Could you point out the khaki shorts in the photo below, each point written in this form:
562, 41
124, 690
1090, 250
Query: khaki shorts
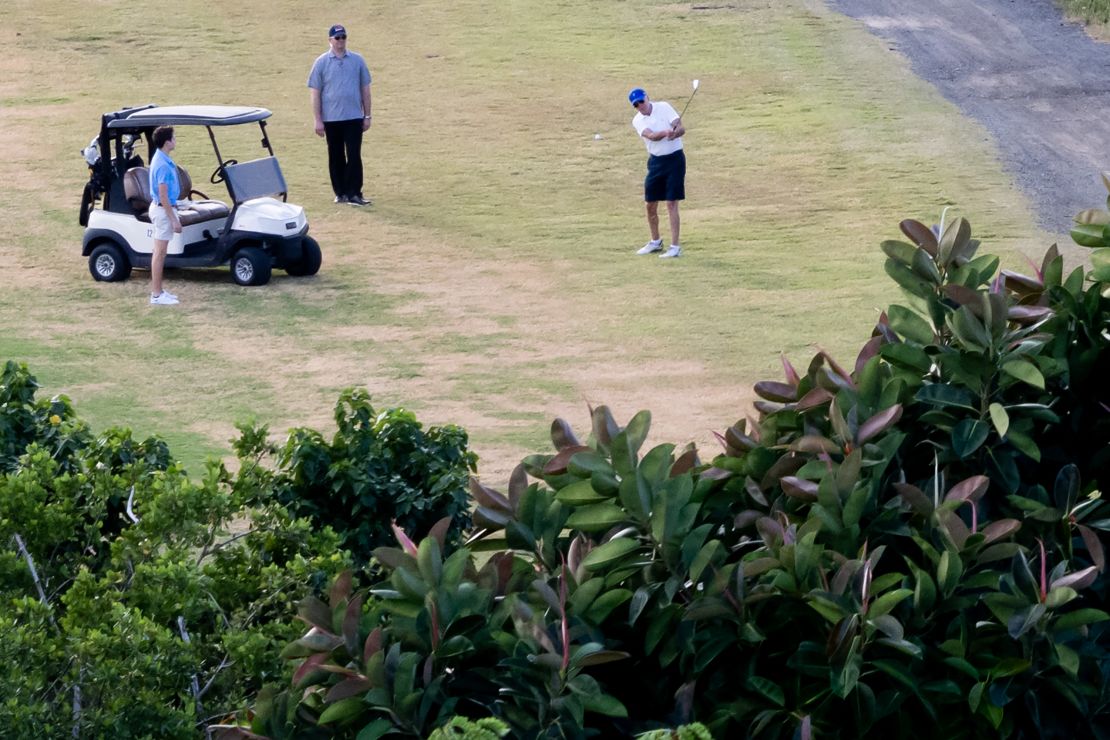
163, 227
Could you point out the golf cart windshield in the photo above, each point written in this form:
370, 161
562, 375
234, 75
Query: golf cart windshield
256, 179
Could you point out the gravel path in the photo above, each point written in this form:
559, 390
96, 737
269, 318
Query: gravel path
1039, 84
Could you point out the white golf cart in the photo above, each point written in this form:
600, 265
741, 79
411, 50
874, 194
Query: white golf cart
257, 233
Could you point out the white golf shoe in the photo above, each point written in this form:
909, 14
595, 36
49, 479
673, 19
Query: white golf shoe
652, 246
673, 251
163, 299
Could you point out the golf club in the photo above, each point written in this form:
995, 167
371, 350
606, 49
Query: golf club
697, 83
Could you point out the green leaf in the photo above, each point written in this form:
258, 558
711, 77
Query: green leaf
899, 251
969, 329
597, 517
604, 605
910, 325
1000, 419
376, 729
626, 445
1078, 618
580, 493
908, 279
888, 601
610, 553
342, 710
1088, 235
1009, 667
968, 436
711, 552
767, 689
1024, 371
940, 394
605, 704
906, 355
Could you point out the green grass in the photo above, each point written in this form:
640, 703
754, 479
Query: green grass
1096, 11
493, 282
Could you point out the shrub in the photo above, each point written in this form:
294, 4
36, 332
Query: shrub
380, 467
912, 547
135, 602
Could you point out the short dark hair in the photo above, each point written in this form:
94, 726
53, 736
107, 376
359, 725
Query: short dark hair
162, 134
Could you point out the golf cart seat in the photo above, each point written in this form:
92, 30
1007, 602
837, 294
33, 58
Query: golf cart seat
136, 188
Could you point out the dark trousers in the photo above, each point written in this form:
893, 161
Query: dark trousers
345, 156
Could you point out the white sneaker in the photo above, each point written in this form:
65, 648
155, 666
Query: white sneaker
163, 299
673, 251
167, 293
653, 246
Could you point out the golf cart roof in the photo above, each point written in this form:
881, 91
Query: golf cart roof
187, 115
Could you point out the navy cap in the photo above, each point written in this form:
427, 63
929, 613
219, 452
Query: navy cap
336, 30
636, 95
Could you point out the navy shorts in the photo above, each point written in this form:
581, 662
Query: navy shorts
666, 177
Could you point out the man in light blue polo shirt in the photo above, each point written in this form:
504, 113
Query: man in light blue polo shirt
340, 87
165, 187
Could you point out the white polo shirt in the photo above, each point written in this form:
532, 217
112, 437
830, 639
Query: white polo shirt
660, 120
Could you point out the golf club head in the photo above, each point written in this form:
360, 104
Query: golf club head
696, 84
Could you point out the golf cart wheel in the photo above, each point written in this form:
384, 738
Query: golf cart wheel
309, 263
250, 266
108, 263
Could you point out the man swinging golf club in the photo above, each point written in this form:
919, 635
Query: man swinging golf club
661, 129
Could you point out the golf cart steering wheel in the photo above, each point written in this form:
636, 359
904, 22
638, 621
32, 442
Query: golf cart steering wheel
218, 173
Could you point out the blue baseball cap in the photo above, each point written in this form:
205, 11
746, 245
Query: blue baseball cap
336, 30
636, 95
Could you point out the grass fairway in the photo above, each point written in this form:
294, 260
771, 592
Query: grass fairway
493, 283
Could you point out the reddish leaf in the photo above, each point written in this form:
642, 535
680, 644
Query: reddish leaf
1028, 315
770, 531
439, 532
1052, 253
685, 463
340, 589
814, 443
920, 234
348, 688
518, 484
746, 518
1078, 580
789, 372
915, 497
562, 435
836, 368
372, 645
1094, 547
403, 539
964, 296
737, 440
997, 530
869, 350
1022, 284
774, 391
316, 613
880, 422
955, 528
490, 498
969, 489
767, 407
799, 488
716, 474
350, 624
813, 399
310, 665
558, 464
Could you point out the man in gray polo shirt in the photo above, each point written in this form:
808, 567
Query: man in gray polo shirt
340, 87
